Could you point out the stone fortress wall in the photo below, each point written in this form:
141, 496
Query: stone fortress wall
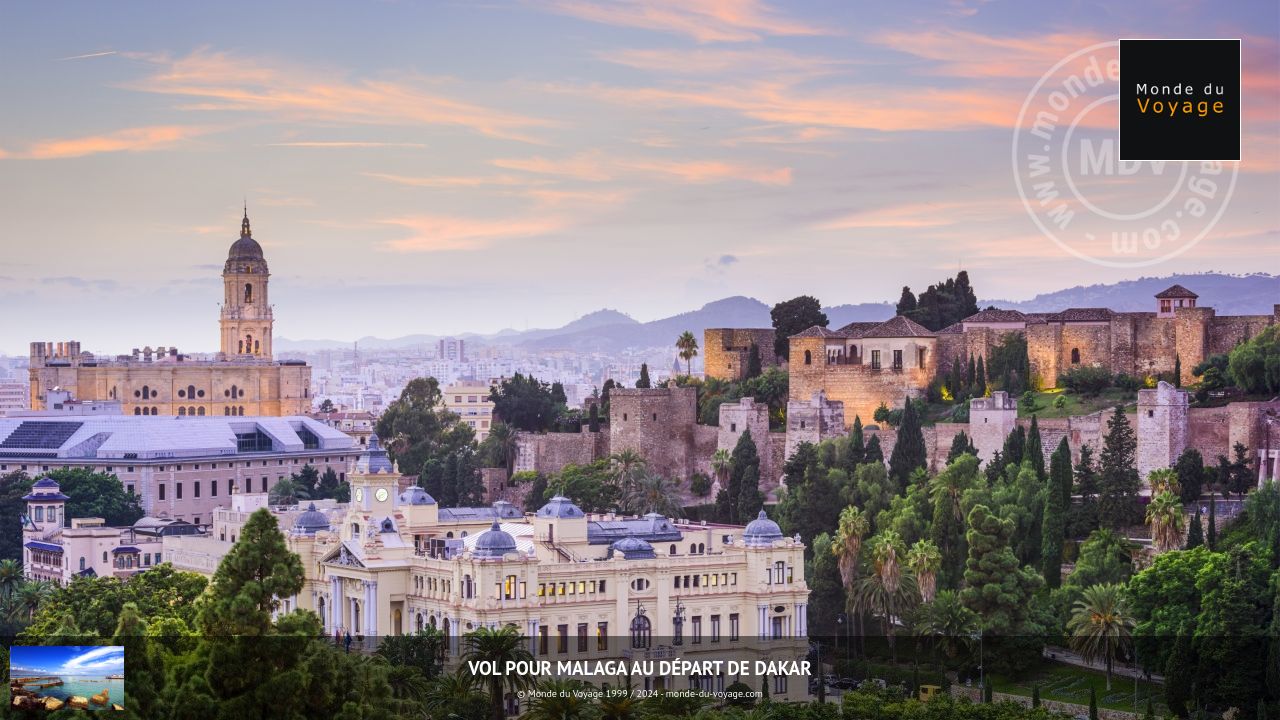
725, 351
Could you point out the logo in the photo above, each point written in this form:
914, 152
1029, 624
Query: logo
1180, 99
1083, 196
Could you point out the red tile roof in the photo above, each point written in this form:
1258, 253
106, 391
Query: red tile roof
899, 327
1176, 291
996, 315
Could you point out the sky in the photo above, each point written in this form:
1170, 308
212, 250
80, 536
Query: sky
94, 661
454, 167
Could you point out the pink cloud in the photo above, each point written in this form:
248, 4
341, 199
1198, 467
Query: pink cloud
440, 233
301, 94
703, 20
138, 139
454, 181
594, 166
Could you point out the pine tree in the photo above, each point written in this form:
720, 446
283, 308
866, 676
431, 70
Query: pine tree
909, 451
754, 365
874, 453
1034, 450
906, 302
1055, 515
1118, 482
993, 565
643, 382
1195, 533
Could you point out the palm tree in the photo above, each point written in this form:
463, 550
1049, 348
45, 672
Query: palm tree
626, 465
29, 597
1100, 625
621, 707
1167, 521
10, 577
1164, 479
688, 346
924, 559
888, 591
499, 646
886, 554
504, 439
721, 463
848, 542
652, 493
948, 621
451, 690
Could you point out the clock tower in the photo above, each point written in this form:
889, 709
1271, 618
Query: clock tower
246, 311
374, 483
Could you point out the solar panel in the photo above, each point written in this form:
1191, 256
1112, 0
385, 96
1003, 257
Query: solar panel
41, 435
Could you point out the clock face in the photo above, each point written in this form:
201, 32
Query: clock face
359, 494
381, 494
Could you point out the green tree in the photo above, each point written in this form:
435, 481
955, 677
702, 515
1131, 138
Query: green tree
942, 303
1100, 626
998, 589
847, 544
1211, 537
525, 403
1055, 515
1254, 365
960, 444
924, 559
1118, 481
593, 423
326, 406
744, 457
909, 452
906, 302
95, 494
1167, 521
793, 316
287, 492
947, 490
416, 427
1009, 366
644, 381
1190, 469
755, 365
1195, 532
687, 344
498, 646
1105, 557
874, 454
1034, 452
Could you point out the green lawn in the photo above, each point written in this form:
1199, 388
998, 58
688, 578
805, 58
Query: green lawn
1076, 404
1070, 683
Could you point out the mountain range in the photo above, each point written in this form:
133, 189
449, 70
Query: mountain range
611, 331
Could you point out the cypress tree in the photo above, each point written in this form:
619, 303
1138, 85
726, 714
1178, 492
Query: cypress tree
643, 382
751, 501
980, 378
744, 456
960, 445
909, 451
1055, 515
994, 469
1034, 450
593, 418
1211, 536
1093, 704
956, 382
857, 447
971, 374
986, 691
1177, 371
1195, 533
1118, 481
874, 453
1015, 447
1035, 696
754, 365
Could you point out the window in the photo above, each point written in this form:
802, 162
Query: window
733, 627
779, 684
733, 427
582, 637
715, 628
697, 629
161, 490
602, 636
542, 640
213, 488
808, 358
897, 359
875, 359
1075, 356
178, 490
641, 632
562, 639
39, 513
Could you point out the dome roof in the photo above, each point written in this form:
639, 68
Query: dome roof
416, 496
494, 543
633, 548
762, 531
246, 248
46, 482
311, 521
560, 507
374, 459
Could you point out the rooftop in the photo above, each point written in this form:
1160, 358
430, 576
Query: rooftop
1175, 291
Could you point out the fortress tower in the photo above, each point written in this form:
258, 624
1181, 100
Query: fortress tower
1162, 428
246, 310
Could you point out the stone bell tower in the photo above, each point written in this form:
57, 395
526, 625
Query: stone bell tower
246, 310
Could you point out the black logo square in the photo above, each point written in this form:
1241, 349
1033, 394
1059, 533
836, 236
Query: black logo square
1179, 99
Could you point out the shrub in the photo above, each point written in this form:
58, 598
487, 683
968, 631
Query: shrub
700, 485
1128, 382
1060, 402
1088, 380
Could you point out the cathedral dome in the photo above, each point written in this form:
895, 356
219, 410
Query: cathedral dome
246, 248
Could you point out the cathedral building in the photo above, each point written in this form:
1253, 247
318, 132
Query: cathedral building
241, 379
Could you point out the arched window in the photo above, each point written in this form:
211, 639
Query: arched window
104, 556
146, 392
673, 550
1075, 356
257, 347
182, 411
191, 391
248, 292
641, 632
82, 563
248, 342
808, 358
191, 411
137, 411
702, 548
200, 411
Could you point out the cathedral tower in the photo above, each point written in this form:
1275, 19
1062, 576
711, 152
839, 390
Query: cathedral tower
246, 311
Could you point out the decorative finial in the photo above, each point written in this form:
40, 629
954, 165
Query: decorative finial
244, 224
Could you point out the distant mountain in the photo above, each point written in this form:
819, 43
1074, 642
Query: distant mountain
1228, 294
610, 330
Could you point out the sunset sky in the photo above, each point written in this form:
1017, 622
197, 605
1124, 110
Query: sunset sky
453, 167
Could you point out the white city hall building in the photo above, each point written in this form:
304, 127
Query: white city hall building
580, 587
